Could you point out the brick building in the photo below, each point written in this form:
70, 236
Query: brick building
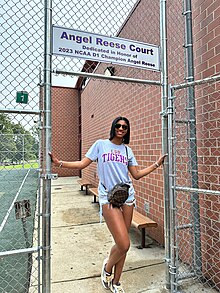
84, 114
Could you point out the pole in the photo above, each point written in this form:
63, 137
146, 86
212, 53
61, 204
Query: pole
164, 103
192, 140
23, 150
172, 194
29, 259
46, 198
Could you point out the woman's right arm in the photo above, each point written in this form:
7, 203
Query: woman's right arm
71, 165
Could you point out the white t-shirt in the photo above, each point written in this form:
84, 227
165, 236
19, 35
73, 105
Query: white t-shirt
112, 164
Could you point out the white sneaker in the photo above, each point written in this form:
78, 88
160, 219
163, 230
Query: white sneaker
105, 277
116, 288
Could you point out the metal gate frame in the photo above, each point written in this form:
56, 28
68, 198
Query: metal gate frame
47, 176
43, 248
170, 188
167, 109
173, 275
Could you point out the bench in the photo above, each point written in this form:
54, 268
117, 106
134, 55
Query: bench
142, 222
84, 183
94, 191
139, 221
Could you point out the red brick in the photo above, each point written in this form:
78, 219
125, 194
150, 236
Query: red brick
65, 127
104, 100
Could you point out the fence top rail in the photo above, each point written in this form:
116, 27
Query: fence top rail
196, 82
113, 78
20, 111
190, 189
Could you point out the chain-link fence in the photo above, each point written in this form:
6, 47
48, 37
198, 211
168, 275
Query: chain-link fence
26, 49
107, 18
193, 144
19, 223
21, 58
18, 149
19, 237
195, 195
19, 209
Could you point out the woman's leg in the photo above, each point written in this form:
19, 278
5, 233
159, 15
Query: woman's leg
127, 214
118, 222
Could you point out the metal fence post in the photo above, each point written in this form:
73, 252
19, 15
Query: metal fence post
46, 201
172, 194
164, 98
192, 139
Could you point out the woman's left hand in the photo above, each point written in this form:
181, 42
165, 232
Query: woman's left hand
161, 159
54, 159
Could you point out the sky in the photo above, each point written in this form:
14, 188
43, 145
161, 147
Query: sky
22, 41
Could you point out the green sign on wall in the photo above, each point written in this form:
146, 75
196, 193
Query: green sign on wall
22, 97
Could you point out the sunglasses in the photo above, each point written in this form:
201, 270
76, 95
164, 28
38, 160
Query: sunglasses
118, 125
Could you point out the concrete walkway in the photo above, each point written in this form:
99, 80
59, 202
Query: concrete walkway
80, 243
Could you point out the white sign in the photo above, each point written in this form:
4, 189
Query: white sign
89, 46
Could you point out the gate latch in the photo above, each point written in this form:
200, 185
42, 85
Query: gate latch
49, 176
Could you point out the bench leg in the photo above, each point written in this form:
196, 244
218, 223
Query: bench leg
81, 188
143, 237
94, 198
87, 189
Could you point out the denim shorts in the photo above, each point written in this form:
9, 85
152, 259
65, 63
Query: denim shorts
104, 200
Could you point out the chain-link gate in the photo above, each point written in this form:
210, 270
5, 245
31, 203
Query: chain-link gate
25, 109
194, 178
193, 131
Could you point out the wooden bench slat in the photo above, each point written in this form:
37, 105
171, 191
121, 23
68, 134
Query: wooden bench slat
94, 191
141, 221
84, 183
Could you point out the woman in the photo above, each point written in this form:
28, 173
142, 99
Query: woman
115, 161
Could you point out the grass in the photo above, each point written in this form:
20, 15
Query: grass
29, 165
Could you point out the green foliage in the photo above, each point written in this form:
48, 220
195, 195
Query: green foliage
16, 143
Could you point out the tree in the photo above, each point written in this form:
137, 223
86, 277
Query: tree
25, 143
16, 143
7, 143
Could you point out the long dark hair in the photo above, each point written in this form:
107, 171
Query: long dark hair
126, 138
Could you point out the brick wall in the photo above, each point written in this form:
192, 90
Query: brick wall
65, 127
207, 63
136, 103
206, 37
102, 101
